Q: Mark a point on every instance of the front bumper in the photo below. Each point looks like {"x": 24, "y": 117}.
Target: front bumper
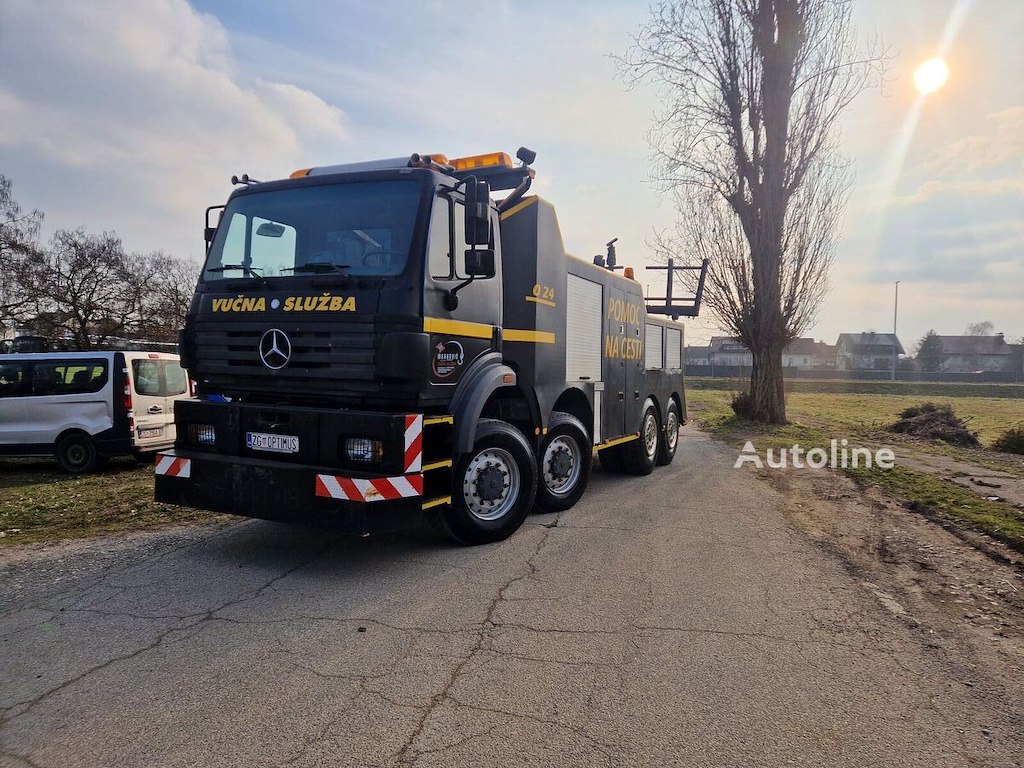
{"x": 288, "y": 492}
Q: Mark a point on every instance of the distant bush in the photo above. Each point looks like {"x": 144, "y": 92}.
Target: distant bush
{"x": 931, "y": 421}
{"x": 742, "y": 405}
{"x": 1011, "y": 441}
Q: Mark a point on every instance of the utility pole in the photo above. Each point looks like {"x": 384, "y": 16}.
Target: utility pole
{"x": 895, "y": 347}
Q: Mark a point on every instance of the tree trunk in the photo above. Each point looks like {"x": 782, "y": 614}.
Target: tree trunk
{"x": 767, "y": 392}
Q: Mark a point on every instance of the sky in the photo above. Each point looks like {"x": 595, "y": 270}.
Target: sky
{"x": 128, "y": 116}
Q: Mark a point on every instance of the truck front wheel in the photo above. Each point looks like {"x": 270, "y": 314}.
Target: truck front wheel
{"x": 565, "y": 459}
{"x": 494, "y": 486}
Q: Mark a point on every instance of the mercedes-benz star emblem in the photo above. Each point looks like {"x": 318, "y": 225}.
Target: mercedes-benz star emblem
{"x": 275, "y": 349}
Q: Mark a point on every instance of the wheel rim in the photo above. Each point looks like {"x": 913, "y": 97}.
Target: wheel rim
{"x": 562, "y": 465}
{"x": 650, "y": 434}
{"x": 490, "y": 486}
{"x": 672, "y": 431}
{"x": 76, "y": 454}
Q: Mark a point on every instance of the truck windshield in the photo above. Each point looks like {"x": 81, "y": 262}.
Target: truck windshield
{"x": 362, "y": 229}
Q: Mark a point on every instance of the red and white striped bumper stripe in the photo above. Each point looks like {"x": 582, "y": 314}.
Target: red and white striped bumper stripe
{"x": 172, "y": 466}
{"x": 413, "y": 443}
{"x": 375, "y": 489}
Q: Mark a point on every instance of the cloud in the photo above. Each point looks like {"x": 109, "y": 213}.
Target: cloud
{"x": 142, "y": 107}
{"x": 935, "y": 190}
{"x": 997, "y": 146}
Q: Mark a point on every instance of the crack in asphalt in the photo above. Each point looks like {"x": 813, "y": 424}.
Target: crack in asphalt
{"x": 21, "y": 708}
{"x": 408, "y": 754}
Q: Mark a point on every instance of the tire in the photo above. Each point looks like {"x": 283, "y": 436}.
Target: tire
{"x": 76, "y": 453}
{"x": 494, "y": 486}
{"x": 638, "y": 456}
{"x": 668, "y": 438}
{"x": 563, "y": 463}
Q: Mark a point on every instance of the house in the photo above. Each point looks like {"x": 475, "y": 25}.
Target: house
{"x": 725, "y": 350}
{"x": 808, "y": 353}
{"x": 868, "y": 351}
{"x": 697, "y": 355}
{"x": 968, "y": 354}
{"x": 799, "y": 353}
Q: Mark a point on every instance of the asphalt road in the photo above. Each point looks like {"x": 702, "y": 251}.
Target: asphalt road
{"x": 671, "y": 620}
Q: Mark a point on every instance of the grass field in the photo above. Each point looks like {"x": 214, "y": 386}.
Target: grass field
{"x": 816, "y": 418}
{"x": 865, "y": 413}
{"x": 38, "y": 502}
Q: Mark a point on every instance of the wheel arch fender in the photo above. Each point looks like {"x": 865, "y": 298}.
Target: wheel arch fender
{"x": 487, "y": 375}
{"x": 577, "y": 402}
{"x": 67, "y": 431}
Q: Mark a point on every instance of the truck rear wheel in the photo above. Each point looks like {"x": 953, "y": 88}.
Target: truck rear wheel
{"x": 668, "y": 439}
{"x": 638, "y": 456}
{"x": 494, "y": 486}
{"x": 564, "y": 463}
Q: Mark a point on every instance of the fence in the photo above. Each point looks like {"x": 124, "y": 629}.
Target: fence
{"x": 743, "y": 372}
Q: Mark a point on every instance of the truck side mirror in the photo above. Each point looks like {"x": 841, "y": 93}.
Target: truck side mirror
{"x": 478, "y": 222}
{"x": 208, "y": 234}
{"x": 480, "y": 263}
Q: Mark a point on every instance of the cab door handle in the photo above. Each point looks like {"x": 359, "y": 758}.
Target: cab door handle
{"x": 155, "y": 409}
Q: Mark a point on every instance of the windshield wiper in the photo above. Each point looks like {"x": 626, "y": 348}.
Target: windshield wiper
{"x": 320, "y": 267}
{"x": 246, "y": 269}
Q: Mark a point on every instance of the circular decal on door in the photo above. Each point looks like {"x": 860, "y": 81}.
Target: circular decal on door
{"x": 448, "y": 358}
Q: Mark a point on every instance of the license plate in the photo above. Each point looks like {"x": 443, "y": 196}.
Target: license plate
{"x": 260, "y": 441}
{"x": 144, "y": 433}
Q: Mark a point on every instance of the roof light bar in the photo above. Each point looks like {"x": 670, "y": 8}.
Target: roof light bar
{"x": 490, "y": 160}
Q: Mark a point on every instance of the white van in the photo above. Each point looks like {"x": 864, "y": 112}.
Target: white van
{"x": 84, "y": 407}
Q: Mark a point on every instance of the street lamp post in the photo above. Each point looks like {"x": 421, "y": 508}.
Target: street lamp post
{"x": 895, "y": 347}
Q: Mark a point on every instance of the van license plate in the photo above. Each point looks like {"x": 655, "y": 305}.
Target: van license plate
{"x": 260, "y": 441}
{"x": 147, "y": 433}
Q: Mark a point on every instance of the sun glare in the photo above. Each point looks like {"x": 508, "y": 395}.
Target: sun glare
{"x": 931, "y": 76}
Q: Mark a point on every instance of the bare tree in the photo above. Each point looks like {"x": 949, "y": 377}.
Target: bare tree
{"x": 19, "y": 232}
{"x": 168, "y": 296}
{"x": 83, "y": 287}
{"x": 748, "y": 144}
{"x": 984, "y": 328}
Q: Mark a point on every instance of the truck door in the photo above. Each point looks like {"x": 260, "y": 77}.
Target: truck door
{"x": 614, "y": 366}
{"x": 458, "y": 335}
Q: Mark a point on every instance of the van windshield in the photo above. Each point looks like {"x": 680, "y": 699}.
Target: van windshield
{"x": 362, "y": 229}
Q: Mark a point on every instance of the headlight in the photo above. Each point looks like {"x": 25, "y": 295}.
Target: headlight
{"x": 364, "y": 449}
{"x": 202, "y": 434}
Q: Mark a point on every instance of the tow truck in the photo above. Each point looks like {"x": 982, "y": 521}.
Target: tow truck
{"x": 377, "y": 342}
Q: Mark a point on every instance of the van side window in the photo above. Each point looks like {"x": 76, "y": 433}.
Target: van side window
{"x": 65, "y": 377}
{"x": 13, "y": 378}
{"x": 146, "y": 374}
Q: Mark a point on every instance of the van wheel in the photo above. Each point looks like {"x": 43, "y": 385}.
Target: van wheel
{"x": 494, "y": 486}
{"x": 638, "y": 456}
{"x": 76, "y": 453}
{"x": 668, "y": 438}
{"x": 565, "y": 459}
